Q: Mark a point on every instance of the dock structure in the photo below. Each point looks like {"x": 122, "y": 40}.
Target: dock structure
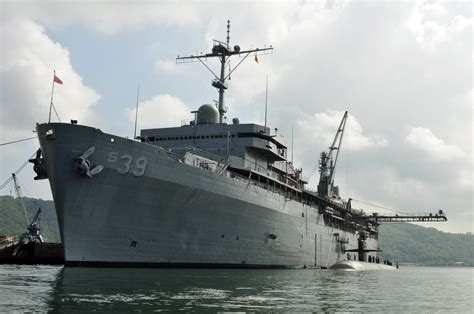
{"x": 439, "y": 216}
{"x": 33, "y": 253}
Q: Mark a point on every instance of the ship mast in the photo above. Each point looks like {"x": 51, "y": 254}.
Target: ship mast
{"x": 223, "y": 52}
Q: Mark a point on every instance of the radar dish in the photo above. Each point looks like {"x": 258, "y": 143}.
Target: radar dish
{"x": 207, "y": 114}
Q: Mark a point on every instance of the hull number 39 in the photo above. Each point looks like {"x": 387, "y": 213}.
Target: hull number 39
{"x": 127, "y": 164}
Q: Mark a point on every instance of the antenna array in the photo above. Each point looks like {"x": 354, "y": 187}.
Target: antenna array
{"x": 222, "y": 51}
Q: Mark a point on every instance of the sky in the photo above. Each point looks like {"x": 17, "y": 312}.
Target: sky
{"x": 403, "y": 70}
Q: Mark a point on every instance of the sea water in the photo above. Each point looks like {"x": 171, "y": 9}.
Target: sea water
{"x": 64, "y": 289}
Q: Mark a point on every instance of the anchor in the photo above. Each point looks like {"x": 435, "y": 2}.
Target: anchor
{"x": 82, "y": 164}
{"x": 39, "y": 166}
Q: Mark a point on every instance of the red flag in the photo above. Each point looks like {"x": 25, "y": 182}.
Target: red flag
{"x": 57, "y": 79}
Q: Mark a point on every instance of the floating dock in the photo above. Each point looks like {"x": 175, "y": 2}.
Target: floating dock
{"x": 33, "y": 253}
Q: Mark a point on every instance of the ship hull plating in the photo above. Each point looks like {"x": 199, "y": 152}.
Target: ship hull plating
{"x": 146, "y": 209}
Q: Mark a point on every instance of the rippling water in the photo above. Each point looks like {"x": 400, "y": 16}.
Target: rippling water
{"x": 410, "y": 289}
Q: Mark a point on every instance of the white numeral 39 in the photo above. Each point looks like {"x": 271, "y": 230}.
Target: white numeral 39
{"x": 127, "y": 160}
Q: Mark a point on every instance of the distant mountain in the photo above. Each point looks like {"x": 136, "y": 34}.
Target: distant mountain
{"x": 409, "y": 243}
{"x": 13, "y": 220}
{"x": 402, "y": 242}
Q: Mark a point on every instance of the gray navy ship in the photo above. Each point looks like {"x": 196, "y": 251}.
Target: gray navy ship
{"x": 205, "y": 194}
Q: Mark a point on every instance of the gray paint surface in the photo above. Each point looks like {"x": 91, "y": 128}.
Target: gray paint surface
{"x": 175, "y": 212}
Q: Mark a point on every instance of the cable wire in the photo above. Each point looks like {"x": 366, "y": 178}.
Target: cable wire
{"x": 9, "y": 179}
{"x": 378, "y": 206}
{"x": 13, "y": 142}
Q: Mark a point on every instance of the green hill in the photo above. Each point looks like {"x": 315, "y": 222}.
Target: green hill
{"x": 409, "y": 243}
{"x": 13, "y": 221}
{"x": 402, "y": 242}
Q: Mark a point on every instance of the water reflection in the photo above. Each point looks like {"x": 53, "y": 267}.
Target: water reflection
{"x": 25, "y": 288}
{"x": 214, "y": 290}
{"x": 207, "y": 290}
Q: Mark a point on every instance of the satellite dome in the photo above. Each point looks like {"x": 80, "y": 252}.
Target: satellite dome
{"x": 207, "y": 114}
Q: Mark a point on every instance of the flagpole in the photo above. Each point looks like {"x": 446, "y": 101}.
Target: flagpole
{"x": 51, "y": 103}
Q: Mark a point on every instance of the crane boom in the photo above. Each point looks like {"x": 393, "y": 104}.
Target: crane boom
{"x": 336, "y": 145}
{"x": 328, "y": 162}
{"x": 19, "y": 195}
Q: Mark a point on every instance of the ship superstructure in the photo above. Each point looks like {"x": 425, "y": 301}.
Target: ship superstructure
{"x": 210, "y": 193}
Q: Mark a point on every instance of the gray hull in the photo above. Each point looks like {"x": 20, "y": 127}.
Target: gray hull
{"x": 144, "y": 208}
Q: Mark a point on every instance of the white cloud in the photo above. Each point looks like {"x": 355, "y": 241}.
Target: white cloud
{"x": 465, "y": 179}
{"x": 424, "y": 140}
{"x": 460, "y": 23}
{"x": 160, "y": 111}
{"x": 391, "y": 189}
{"x": 105, "y": 16}
{"x": 26, "y": 74}
{"x": 322, "y": 127}
{"x": 170, "y": 67}
{"x": 432, "y": 24}
{"x": 388, "y": 188}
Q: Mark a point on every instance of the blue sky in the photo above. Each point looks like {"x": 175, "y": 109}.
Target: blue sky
{"x": 116, "y": 64}
{"x": 402, "y": 69}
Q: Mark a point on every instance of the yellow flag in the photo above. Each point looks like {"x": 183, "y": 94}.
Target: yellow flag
{"x": 256, "y": 58}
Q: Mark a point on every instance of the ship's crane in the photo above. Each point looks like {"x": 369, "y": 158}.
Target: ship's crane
{"x": 328, "y": 162}
{"x": 19, "y": 195}
{"x": 34, "y": 226}
{"x": 396, "y": 216}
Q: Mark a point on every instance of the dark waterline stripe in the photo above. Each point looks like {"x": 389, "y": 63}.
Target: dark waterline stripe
{"x": 180, "y": 265}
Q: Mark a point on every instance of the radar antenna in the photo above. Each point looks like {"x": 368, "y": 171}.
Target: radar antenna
{"x": 223, "y": 52}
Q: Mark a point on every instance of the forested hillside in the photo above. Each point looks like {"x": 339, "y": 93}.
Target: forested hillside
{"x": 402, "y": 242}
{"x": 409, "y": 243}
{"x": 13, "y": 220}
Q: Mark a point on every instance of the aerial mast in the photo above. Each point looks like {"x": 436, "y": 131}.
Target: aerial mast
{"x": 223, "y": 52}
